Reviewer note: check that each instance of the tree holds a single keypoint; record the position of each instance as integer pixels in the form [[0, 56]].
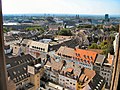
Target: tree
[[84, 26], [65, 32], [110, 49], [94, 46], [5, 29], [39, 28]]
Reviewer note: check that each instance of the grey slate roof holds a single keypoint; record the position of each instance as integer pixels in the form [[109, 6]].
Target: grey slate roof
[[17, 67], [100, 59]]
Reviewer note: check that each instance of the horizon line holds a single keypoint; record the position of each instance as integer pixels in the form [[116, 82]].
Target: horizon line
[[59, 14]]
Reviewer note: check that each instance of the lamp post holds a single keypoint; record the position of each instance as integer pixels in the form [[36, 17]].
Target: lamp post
[[3, 71]]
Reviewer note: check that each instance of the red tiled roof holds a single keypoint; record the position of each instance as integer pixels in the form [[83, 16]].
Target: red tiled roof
[[85, 55], [69, 69]]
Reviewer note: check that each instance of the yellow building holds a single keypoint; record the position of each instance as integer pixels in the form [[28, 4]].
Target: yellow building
[[36, 71]]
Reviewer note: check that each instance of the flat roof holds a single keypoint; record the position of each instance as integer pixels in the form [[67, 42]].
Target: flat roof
[[37, 65]]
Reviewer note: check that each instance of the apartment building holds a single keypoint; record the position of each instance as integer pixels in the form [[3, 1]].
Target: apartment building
[[9, 39], [69, 75], [52, 69], [36, 72], [90, 80], [84, 58], [17, 68], [34, 48], [105, 67], [7, 49], [16, 49]]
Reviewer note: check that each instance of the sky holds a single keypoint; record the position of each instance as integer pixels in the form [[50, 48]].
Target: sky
[[93, 7]]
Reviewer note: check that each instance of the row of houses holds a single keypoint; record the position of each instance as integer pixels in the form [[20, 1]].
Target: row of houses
[[84, 58], [54, 73], [69, 75], [32, 64], [89, 59]]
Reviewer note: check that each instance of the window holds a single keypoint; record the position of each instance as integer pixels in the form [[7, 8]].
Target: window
[[76, 54], [91, 57], [87, 56], [84, 56], [67, 80], [74, 84], [14, 72], [37, 75], [53, 76]]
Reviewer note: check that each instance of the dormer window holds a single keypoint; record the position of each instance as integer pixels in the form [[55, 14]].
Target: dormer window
[[18, 71], [81, 59], [24, 68], [88, 57], [76, 54], [14, 72], [22, 75], [18, 62], [21, 61], [91, 57], [84, 56]]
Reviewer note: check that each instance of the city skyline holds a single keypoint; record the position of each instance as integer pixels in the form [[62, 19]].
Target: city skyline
[[94, 7]]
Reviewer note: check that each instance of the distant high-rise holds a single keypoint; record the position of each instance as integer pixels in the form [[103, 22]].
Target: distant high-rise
[[106, 17]]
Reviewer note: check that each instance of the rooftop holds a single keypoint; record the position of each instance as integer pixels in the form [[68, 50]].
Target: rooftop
[[54, 64], [109, 60], [97, 83], [71, 69], [87, 55], [86, 76], [100, 59], [65, 51]]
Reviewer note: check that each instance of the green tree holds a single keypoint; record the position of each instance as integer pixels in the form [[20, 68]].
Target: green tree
[[94, 46], [110, 49], [5, 29], [39, 28], [65, 32]]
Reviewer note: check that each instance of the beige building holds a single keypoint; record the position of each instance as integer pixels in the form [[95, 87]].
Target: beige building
[[24, 76], [52, 69], [34, 48], [16, 49], [69, 75], [36, 71]]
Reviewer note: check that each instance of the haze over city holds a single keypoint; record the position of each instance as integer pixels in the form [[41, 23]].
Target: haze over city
[[93, 7]]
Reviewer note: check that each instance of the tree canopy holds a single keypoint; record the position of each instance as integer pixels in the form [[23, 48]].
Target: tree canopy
[[65, 32], [106, 46], [39, 28]]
